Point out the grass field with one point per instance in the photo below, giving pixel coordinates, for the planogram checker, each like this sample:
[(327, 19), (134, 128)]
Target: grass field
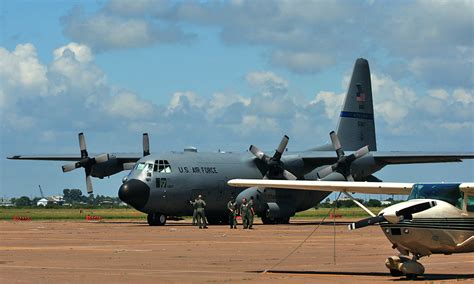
[(9, 213)]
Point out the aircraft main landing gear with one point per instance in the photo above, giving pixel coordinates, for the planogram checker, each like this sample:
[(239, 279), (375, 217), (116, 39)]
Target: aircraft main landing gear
[(402, 265), (156, 219)]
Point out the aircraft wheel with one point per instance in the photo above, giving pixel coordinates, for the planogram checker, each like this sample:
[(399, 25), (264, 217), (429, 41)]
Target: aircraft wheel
[(156, 219)]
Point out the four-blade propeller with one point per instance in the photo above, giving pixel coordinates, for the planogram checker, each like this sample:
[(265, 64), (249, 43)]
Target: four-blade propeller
[(86, 162), (274, 164), (403, 214), (343, 164)]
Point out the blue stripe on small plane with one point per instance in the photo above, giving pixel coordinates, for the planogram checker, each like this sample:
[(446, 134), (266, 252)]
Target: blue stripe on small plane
[(352, 114)]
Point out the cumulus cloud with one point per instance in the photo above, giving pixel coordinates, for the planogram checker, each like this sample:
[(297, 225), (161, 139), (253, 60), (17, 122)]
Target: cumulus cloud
[(69, 92), (22, 74)]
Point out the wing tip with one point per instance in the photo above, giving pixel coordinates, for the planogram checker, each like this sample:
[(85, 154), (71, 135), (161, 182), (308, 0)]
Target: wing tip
[(15, 157)]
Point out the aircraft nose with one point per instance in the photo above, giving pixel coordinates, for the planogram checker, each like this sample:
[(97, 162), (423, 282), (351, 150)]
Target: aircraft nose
[(135, 193)]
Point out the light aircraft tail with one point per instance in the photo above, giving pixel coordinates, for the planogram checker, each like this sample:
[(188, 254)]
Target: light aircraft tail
[(356, 127)]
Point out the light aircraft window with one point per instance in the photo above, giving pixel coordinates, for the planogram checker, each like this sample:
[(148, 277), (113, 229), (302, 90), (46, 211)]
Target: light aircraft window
[(446, 192), (470, 202), (162, 166)]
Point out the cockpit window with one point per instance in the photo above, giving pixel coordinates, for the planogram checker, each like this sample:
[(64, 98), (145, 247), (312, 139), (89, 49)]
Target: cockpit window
[(139, 166), (446, 192), (162, 166)]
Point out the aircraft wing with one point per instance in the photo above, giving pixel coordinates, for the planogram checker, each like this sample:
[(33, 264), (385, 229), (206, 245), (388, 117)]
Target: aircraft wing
[(352, 187), (420, 157), (319, 158), (121, 157)]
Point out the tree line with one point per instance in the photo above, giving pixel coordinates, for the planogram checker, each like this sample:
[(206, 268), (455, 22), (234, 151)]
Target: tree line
[(71, 197)]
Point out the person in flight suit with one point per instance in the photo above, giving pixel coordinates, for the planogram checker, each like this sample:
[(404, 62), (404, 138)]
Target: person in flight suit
[(244, 212), (201, 214), (193, 203), (251, 212), (232, 206)]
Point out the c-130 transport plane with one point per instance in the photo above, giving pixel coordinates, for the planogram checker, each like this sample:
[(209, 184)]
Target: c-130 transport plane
[(161, 185)]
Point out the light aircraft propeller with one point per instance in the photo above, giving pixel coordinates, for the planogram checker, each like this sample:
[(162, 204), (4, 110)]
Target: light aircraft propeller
[(395, 217), (343, 164), (274, 164)]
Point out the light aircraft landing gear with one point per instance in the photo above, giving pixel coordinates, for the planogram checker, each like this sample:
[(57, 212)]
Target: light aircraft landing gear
[(403, 265), (156, 219)]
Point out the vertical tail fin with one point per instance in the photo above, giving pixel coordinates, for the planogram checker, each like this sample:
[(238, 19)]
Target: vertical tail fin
[(356, 127)]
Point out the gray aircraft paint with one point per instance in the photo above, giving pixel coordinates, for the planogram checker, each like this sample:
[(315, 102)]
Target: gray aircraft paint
[(356, 127)]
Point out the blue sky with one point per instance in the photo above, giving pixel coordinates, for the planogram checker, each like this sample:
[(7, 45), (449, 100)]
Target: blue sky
[(227, 74)]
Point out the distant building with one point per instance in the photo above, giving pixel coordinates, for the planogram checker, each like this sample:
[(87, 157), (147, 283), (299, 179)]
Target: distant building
[(386, 202), (55, 199), (5, 202)]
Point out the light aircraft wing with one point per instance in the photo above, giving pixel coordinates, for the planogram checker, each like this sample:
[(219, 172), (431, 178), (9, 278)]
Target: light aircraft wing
[(344, 186), (121, 157)]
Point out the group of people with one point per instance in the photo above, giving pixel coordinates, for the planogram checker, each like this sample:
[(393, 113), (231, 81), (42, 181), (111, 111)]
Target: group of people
[(246, 211)]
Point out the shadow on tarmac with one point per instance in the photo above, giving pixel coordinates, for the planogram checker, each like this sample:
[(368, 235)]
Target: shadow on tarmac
[(424, 277)]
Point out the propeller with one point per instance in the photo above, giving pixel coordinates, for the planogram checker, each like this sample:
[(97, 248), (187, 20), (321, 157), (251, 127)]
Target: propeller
[(86, 162), (343, 164), (274, 164), (146, 145), (403, 214)]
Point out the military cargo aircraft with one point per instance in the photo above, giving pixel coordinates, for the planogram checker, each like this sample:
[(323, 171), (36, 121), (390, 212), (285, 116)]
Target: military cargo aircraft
[(435, 219), (161, 185)]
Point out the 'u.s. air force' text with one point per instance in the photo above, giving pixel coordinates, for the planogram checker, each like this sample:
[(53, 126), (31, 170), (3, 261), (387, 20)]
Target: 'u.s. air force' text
[(197, 170)]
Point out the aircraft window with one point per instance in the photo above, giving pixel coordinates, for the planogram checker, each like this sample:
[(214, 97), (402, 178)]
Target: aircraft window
[(139, 166), (446, 192), (470, 203), (162, 166)]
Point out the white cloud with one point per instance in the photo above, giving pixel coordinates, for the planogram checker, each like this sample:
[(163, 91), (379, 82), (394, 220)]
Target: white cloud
[(71, 92), (332, 102), (463, 96), (129, 105), (268, 82), (21, 74)]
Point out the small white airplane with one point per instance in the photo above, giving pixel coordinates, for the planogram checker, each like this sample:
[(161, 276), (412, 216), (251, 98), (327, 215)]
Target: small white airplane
[(435, 219)]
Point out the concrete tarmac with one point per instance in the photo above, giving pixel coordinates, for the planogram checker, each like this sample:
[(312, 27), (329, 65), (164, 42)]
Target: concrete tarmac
[(132, 251)]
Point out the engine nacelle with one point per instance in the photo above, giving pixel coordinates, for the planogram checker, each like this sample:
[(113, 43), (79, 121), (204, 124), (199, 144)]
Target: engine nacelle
[(259, 203), (108, 168), (365, 166)]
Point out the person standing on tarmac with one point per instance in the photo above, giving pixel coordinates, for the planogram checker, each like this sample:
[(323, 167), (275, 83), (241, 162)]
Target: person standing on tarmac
[(194, 204), (232, 206), (244, 213), (201, 214), (251, 212)]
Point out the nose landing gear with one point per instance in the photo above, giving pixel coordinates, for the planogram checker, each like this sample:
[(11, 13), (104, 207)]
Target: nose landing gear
[(403, 265), (156, 219)]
